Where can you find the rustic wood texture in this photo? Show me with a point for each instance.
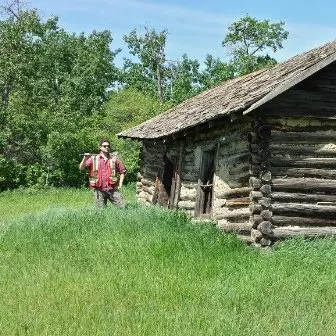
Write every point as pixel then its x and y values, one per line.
pixel 282 174
pixel 306 209
pixel 309 162
pixel 301 221
pixel 304 172
pixel 234 214
pixel 311 150
pixel 233 95
pixel 302 137
pixel 265 227
pixel 232 193
pixel 311 184
pixel 235 227
pixel 296 197
pixel 178 182
pixel 285 232
pixel 237 202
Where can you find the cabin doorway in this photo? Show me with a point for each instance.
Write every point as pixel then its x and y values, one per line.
pixel 205 185
pixel 165 183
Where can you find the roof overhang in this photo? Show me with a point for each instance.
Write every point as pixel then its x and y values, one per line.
pixel 291 82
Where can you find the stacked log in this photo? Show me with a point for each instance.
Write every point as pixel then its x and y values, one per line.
pixel 189 175
pixel 260 183
pixel 231 189
pixel 151 161
pixel 302 191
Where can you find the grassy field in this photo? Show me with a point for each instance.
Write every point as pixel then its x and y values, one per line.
pixel 69 269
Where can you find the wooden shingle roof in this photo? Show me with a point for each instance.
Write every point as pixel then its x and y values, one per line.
pixel 241 94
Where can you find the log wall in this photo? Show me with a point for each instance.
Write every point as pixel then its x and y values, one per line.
pixel 191 164
pixel 231 181
pixel 299 194
pixel 231 178
pixel 302 193
pixel 275 169
pixel 151 165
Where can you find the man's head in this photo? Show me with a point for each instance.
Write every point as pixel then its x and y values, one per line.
pixel 104 146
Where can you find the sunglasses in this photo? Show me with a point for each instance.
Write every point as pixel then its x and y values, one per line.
pixel 106 146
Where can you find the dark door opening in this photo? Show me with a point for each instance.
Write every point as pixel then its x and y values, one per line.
pixel 165 183
pixel 205 184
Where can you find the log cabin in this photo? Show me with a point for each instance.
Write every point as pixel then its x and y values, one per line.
pixel 255 154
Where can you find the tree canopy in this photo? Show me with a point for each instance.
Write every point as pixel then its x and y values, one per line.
pixel 248 39
pixel 61 92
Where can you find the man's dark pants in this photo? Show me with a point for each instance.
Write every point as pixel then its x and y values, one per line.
pixel 114 196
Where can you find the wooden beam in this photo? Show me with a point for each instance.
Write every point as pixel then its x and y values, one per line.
pixel 235 192
pixel 238 213
pixel 237 202
pixel 178 175
pixel 300 162
pixel 310 184
pixel 302 150
pixel 297 197
pixel 301 221
pixel 286 232
pixel 303 172
pixel 234 227
pixel 302 137
pixel 306 209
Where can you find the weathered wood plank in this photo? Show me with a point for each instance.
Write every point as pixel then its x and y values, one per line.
pixel 237 158
pixel 302 137
pixel 280 161
pixel 301 221
pixel 286 232
pixel 303 172
pixel 237 213
pixel 235 192
pixel 236 202
pixel 302 150
pixel 234 227
pixel 297 197
pixel 188 197
pixel 311 184
pixel 302 208
pixel 178 176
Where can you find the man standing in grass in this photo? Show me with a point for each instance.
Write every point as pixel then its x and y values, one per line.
pixel 103 178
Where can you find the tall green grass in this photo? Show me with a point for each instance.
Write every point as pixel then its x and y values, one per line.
pixel 22 202
pixel 147 271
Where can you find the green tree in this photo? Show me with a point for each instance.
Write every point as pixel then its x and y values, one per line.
pixel 149 48
pixel 183 78
pixel 51 82
pixel 249 40
pixel 125 109
pixel 215 72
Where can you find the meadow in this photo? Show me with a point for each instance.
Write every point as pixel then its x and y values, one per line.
pixel 68 268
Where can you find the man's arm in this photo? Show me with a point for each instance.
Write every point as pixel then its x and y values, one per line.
pixel 82 165
pixel 121 180
pixel 122 172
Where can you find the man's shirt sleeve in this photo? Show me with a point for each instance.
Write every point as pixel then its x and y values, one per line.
pixel 120 167
pixel 88 162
